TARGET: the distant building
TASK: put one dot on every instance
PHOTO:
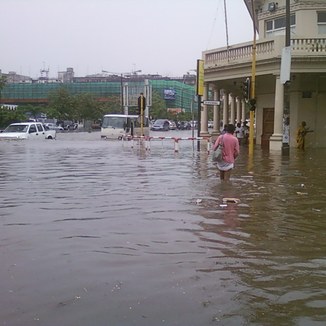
(66, 76)
(13, 77)
(177, 92)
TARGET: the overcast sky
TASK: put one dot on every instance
(155, 36)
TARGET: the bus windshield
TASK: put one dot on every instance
(114, 122)
(120, 126)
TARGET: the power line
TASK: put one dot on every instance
(226, 29)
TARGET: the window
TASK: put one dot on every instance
(279, 23)
(321, 21)
(277, 26)
(32, 129)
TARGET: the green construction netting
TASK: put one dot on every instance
(175, 93)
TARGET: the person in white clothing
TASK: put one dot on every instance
(239, 132)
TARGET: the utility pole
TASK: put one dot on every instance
(252, 100)
(286, 101)
(141, 111)
(288, 23)
(121, 91)
(200, 93)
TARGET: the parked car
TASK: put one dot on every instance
(27, 130)
(53, 126)
(172, 125)
(184, 125)
(194, 124)
(70, 126)
(161, 125)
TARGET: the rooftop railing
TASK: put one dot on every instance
(265, 49)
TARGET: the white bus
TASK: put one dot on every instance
(123, 126)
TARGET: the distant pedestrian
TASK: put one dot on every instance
(230, 152)
(239, 133)
(301, 135)
(224, 129)
(245, 132)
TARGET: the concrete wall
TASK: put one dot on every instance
(320, 121)
(306, 24)
(310, 109)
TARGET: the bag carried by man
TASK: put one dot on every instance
(217, 155)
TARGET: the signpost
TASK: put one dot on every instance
(211, 102)
(141, 108)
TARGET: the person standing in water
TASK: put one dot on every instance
(231, 151)
(301, 135)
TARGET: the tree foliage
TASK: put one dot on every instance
(62, 104)
(113, 105)
(158, 109)
(66, 106)
(7, 117)
(86, 107)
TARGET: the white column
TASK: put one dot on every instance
(238, 117)
(232, 109)
(275, 141)
(125, 98)
(243, 110)
(225, 108)
(204, 114)
(216, 112)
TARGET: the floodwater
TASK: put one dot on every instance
(101, 233)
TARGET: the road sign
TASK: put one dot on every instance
(211, 102)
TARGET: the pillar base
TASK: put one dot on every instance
(215, 132)
(214, 135)
(276, 142)
(204, 134)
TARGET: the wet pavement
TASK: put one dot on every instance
(96, 232)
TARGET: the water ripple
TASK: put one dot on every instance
(129, 233)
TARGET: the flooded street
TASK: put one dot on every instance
(96, 232)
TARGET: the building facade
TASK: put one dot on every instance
(295, 94)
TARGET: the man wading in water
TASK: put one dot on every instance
(230, 152)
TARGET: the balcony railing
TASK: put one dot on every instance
(266, 49)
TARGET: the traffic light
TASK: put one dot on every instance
(252, 103)
(246, 89)
(141, 104)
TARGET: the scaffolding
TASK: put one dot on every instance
(180, 95)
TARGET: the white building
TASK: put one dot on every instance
(303, 98)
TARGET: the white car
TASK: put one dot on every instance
(27, 130)
(53, 126)
(172, 125)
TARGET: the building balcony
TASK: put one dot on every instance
(308, 56)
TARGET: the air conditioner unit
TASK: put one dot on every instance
(272, 6)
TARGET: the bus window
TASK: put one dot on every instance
(120, 126)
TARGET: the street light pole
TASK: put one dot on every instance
(121, 91)
(252, 89)
(122, 74)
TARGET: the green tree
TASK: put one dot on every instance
(30, 111)
(158, 109)
(63, 104)
(87, 108)
(8, 116)
(112, 106)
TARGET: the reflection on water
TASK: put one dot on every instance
(99, 233)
